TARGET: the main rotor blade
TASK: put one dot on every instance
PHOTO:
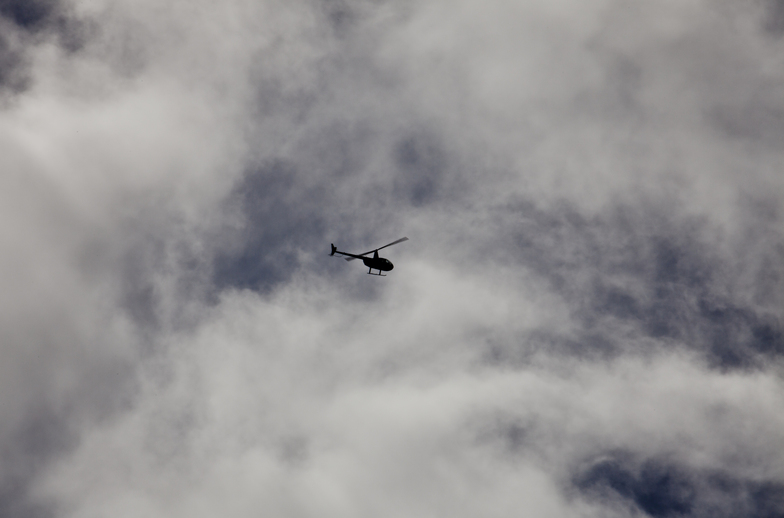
(392, 243)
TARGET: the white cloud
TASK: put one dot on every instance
(280, 406)
(594, 209)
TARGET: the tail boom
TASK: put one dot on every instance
(348, 257)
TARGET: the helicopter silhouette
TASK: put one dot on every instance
(373, 263)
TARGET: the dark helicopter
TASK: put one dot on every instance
(373, 263)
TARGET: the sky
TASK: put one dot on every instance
(586, 321)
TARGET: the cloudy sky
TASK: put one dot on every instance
(587, 320)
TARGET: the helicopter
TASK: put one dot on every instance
(373, 263)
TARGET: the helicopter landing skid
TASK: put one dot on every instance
(379, 274)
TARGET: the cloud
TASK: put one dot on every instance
(666, 489)
(586, 320)
(29, 24)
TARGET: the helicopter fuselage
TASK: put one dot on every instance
(378, 263)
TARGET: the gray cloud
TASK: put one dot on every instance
(774, 18)
(586, 321)
(662, 488)
(28, 24)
